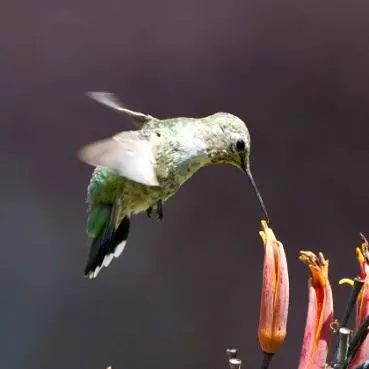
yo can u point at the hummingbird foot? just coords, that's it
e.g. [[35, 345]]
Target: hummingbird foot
[[158, 211]]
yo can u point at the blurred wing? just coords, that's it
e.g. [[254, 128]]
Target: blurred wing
[[111, 100], [127, 153]]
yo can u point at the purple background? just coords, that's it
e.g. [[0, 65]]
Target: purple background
[[188, 288]]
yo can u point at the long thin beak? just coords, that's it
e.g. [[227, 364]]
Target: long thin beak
[[248, 172]]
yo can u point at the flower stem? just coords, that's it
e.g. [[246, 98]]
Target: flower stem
[[267, 358], [343, 344], [358, 339], [358, 283]]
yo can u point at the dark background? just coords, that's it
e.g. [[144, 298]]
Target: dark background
[[186, 289]]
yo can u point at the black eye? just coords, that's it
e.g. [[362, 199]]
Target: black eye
[[240, 144]]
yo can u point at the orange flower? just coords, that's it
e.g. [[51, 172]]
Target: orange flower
[[275, 293], [362, 302], [320, 313]]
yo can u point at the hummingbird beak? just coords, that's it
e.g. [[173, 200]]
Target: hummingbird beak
[[248, 172]]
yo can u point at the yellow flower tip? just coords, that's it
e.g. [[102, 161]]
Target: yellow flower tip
[[322, 260], [313, 260], [267, 233], [263, 236], [317, 264], [308, 258], [264, 224], [359, 255], [362, 251], [346, 282]]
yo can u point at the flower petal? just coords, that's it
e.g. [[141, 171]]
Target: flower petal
[[275, 293], [320, 313]]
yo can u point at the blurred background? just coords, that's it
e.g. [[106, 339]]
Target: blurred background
[[186, 289]]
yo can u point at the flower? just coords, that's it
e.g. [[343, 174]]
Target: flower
[[362, 302], [319, 315], [275, 293]]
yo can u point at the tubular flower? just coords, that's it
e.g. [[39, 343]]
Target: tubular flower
[[362, 302], [319, 315], [275, 293]]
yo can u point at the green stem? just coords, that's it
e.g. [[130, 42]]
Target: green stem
[[358, 283]]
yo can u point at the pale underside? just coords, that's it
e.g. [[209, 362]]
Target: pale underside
[[108, 187]]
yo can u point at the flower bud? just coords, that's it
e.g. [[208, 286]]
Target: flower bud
[[319, 315], [275, 293]]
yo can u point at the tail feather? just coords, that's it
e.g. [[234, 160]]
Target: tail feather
[[109, 244]]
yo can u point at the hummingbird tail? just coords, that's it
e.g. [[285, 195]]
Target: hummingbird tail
[[109, 244]]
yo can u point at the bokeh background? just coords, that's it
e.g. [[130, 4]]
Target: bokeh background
[[186, 289]]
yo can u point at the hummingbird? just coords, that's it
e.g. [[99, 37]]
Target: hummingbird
[[138, 170]]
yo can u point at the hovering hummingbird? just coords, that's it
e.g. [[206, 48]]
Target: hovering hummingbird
[[138, 170]]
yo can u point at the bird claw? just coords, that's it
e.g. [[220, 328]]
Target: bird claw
[[158, 207]]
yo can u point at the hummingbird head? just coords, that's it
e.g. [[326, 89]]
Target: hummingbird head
[[231, 143], [234, 146]]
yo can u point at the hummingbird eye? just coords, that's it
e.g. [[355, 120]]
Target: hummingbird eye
[[240, 145]]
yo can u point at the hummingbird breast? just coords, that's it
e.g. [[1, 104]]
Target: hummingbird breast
[[107, 187]]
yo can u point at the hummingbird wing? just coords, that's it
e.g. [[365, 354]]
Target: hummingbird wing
[[129, 153], [112, 101]]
